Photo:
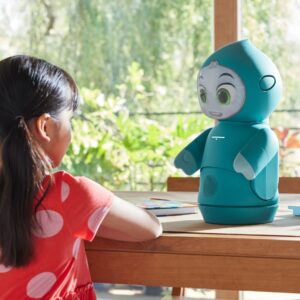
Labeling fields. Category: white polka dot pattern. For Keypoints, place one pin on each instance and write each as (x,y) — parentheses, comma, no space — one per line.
(76,247)
(51,223)
(95,218)
(65,191)
(40,285)
(4,269)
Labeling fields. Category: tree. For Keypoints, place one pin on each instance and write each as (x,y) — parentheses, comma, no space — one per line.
(131,56)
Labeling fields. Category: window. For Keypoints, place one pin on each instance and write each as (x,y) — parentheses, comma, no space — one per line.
(273,27)
(136,66)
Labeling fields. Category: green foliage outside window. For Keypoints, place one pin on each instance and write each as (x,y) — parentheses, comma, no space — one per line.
(135,57)
(127,56)
(122,151)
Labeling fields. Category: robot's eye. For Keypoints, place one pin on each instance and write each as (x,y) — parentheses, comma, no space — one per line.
(225,93)
(202,95)
(223,96)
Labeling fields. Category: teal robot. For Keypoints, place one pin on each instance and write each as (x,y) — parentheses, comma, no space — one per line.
(239,87)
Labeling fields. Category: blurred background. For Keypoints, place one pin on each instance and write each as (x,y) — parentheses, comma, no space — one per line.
(136,63)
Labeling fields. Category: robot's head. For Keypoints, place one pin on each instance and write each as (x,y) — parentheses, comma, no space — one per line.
(239,83)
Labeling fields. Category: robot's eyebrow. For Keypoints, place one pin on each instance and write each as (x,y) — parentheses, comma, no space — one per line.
(229,83)
(226,74)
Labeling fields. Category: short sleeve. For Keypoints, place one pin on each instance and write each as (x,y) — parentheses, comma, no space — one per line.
(85,203)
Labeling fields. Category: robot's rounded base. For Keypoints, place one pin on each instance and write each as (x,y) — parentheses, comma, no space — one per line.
(238,215)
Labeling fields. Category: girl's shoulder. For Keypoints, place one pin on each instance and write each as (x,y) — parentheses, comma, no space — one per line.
(62,175)
(62,178)
(67,184)
(81,202)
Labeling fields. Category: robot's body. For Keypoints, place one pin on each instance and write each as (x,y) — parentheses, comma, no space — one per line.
(238,159)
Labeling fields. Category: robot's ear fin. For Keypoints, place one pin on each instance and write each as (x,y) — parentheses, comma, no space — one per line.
(267,82)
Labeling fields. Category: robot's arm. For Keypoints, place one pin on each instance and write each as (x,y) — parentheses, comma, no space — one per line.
(190,158)
(256,154)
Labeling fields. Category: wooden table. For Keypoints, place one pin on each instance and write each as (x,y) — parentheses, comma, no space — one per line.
(261,261)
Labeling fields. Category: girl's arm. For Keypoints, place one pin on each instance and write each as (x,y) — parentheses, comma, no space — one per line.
(127,222)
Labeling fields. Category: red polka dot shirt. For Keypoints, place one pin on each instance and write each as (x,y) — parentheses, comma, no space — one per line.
(71,212)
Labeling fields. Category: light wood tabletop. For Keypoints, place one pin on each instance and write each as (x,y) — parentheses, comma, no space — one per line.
(194,254)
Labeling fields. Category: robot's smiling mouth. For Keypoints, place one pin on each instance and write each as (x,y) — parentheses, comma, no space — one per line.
(215,113)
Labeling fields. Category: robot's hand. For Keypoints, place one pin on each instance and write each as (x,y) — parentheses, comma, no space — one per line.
(241,165)
(185,161)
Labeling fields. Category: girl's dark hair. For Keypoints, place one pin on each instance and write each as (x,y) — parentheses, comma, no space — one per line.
(29,87)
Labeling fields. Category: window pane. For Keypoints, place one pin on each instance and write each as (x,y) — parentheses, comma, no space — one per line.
(273,27)
(127,57)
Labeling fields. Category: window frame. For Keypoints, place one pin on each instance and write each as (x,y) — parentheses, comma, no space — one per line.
(227,23)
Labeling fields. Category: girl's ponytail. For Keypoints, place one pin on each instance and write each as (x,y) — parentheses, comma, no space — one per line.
(23,169)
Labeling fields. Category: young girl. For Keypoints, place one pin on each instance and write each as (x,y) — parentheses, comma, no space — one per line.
(45,217)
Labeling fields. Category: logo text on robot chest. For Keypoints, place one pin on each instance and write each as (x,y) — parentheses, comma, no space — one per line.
(218,137)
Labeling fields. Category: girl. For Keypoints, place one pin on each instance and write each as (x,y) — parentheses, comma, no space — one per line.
(43,216)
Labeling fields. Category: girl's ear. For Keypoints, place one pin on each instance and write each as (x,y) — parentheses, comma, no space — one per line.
(41,128)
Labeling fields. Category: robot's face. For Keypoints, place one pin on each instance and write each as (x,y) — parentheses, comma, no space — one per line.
(220,90)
